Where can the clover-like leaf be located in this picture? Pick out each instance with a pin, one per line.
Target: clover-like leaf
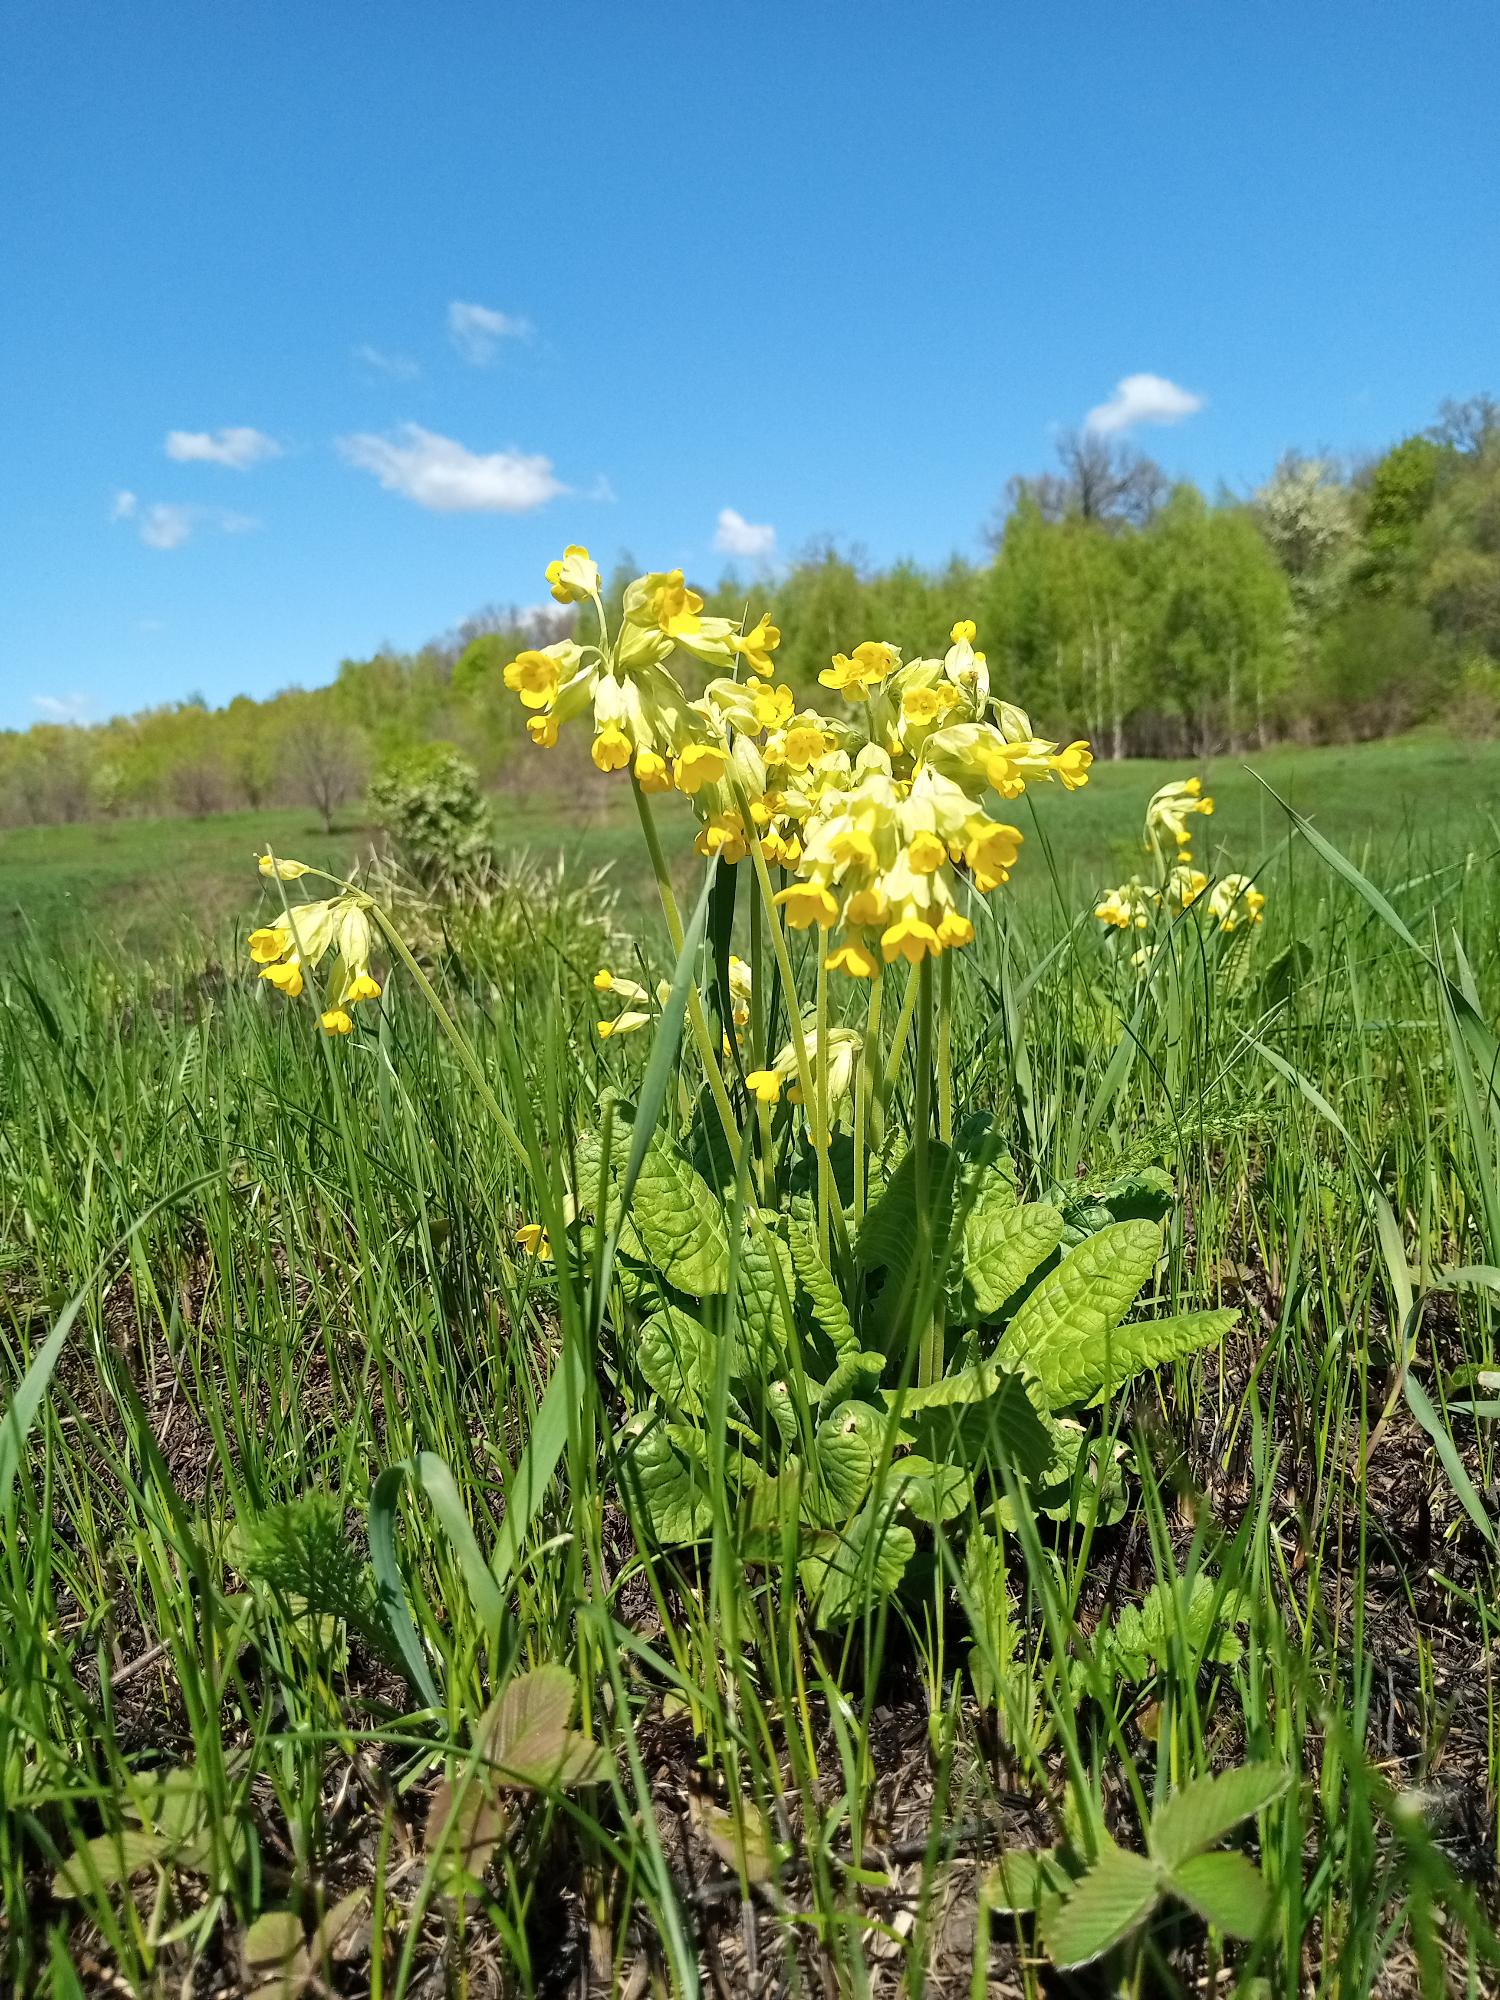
(1116, 1896)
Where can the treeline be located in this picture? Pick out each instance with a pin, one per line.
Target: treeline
(1337, 602)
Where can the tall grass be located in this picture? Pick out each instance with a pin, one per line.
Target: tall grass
(291, 1268)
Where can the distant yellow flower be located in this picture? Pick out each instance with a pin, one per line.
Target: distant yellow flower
(1235, 899)
(1172, 807)
(954, 931)
(765, 1084)
(1072, 767)
(532, 1238)
(1128, 907)
(653, 773)
(287, 871)
(756, 646)
(574, 576)
(855, 673)
(1185, 885)
(606, 981)
(336, 1022)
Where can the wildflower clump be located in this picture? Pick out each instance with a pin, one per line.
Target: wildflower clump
(304, 936)
(1178, 885)
(880, 812)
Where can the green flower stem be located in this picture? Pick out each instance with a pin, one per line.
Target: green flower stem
(760, 1030)
(945, 1048)
(461, 1044)
(898, 1040)
(821, 1082)
(930, 1353)
(698, 1020)
(867, 1097)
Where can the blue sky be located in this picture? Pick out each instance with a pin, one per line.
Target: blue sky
(839, 269)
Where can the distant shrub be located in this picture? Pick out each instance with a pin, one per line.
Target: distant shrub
(430, 803)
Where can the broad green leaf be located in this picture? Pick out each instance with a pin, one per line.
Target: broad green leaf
(844, 1574)
(1200, 1813)
(1004, 1244)
(857, 1375)
(110, 1859)
(674, 1353)
(274, 1937)
(817, 1281)
(1118, 1893)
(845, 1444)
(1065, 1333)
(1152, 1343)
(1019, 1880)
(932, 1493)
(765, 1275)
(680, 1222)
(891, 1239)
(671, 1484)
(977, 1413)
(1227, 1889)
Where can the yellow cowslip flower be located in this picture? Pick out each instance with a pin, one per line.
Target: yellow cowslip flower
(1071, 766)
(574, 576)
(911, 938)
(699, 764)
(532, 1237)
(867, 908)
(774, 706)
(304, 937)
(606, 981)
(1172, 807)
(854, 674)
(954, 930)
(270, 942)
(286, 978)
(1233, 899)
(756, 646)
(536, 676)
(765, 1084)
(542, 729)
(623, 1024)
(780, 846)
(802, 743)
(363, 987)
(925, 703)
(965, 631)
(653, 773)
(843, 1046)
(855, 958)
(926, 853)
(1184, 885)
(1128, 908)
(741, 987)
(286, 871)
(990, 850)
(611, 749)
(723, 833)
(808, 903)
(336, 1022)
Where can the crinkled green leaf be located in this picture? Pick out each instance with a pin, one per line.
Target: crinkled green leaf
(663, 1469)
(110, 1859)
(1004, 1243)
(931, 1493)
(846, 1573)
(845, 1445)
(765, 1278)
(674, 1353)
(978, 1413)
(1200, 1813)
(857, 1375)
(823, 1294)
(1142, 1636)
(1067, 1332)
(680, 1222)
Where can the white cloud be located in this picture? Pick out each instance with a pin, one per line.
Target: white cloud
(167, 524)
(125, 506)
(440, 473)
(477, 331)
(738, 537)
(1143, 399)
(400, 367)
(239, 447)
(61, 707)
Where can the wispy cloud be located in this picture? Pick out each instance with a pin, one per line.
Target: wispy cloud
(439, 473)
(477, 331)
(239, 447)
(62, 707)
(167, 524)
(1143, 399)
(738, 537)
(399, 367)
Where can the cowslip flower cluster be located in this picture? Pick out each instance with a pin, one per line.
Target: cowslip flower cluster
(879, 813)
(835, 1079)
(1229, 902)
(304, 937)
